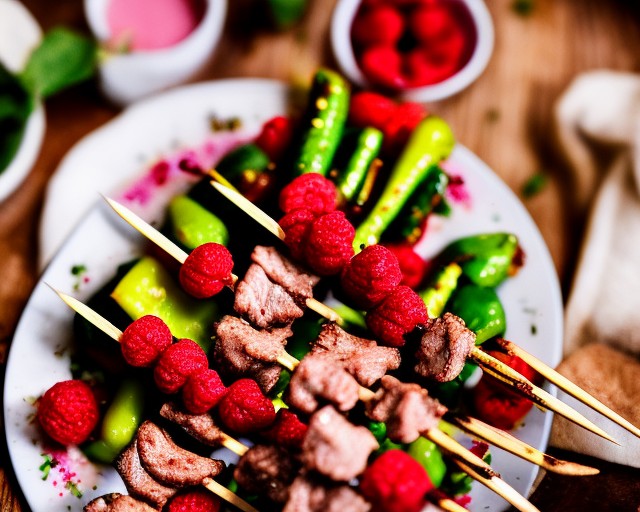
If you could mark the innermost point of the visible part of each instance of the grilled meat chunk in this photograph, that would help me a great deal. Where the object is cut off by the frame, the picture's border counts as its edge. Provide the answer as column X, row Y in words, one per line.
column 336, row 448
column 116, row 502
column 284, row 272
column 267, row 470
column 199, row 426
column 444, row 347
column 138, row 482
column 264, row 303
column 407, row 409
column 306, row 495
column 318, row 378
column 362, row 358
column 168, row 463
column 242, row 351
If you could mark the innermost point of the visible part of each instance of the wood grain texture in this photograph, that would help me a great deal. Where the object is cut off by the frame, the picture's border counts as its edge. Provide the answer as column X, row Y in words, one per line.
column 505, row 118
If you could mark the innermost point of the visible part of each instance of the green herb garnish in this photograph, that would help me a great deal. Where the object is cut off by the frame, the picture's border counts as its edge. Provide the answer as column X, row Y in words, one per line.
column 46, row 466
column 534, row 185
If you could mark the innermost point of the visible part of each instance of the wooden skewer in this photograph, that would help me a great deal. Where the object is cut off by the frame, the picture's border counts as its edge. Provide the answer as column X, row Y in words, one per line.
column 566, row 385
column 513, row 445
column 512, row 378
column 537, row 395
column 227, row 441
column 176, row 252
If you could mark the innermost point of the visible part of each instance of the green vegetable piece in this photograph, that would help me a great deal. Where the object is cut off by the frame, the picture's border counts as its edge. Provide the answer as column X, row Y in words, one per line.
column 481, row 310
column 245, row 158
column 378, row 429
column 430, row 457
column 485, row 259
column 305, row 330
column 449, row 393
column 431, row 142
column 15, row 107
column 100, row 451
column 286, row 13
column 367, row 147
column 352, row 317
column 62, row 59
column 193, row 225
column 534, row 185
column 327, row 110
column 445, row 282
column 148, row 289
column 124, row 415
column 279, row 403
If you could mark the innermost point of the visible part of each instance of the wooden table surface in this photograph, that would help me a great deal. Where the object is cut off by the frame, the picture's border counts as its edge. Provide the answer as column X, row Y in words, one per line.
column 505, row 118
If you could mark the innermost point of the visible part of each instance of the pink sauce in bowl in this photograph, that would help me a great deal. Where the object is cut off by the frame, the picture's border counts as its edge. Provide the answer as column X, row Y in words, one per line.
column 152, row 24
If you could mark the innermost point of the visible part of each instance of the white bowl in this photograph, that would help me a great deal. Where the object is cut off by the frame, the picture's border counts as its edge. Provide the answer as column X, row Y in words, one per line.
column 19, row 35
column 342, row 20
column 125, row 78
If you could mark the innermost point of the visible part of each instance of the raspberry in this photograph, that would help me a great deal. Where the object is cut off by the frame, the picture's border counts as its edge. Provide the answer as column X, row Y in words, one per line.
column 310, row 191
column 196, row 500
column 287, row 431
column 68, row 412
column 431, row 22
column 245, row 409
column 275, row 137
column 370, row 276
column 398, row 314
column 401, row 124
column 370, row 109
column 177, row 363
column 396, row 482
column 202, row 391
column 377, row 25
column 144, row 340
column 296, row 226
column 207, row 270
column 330, row 243
column 413, row 267
column 382, row 65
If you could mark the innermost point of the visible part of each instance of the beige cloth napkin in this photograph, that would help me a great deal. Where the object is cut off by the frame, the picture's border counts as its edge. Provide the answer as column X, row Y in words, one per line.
column 602, row 333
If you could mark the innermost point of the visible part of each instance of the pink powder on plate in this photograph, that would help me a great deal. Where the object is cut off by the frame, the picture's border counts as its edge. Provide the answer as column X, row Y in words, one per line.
column 153, row 24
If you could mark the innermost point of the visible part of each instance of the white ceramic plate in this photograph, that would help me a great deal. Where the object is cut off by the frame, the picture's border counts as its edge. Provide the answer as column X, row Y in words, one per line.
column 39, row 355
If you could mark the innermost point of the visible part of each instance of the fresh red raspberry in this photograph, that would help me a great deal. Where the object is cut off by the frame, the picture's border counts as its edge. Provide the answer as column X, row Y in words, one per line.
column 370, row 109
column 207, row 270
column 396, row 482
column 144, row 340
column 275, row 137
column 309, row 191
column 401, row 124
column 370, row 276
column 177, row 363
column 329, row 243
column 202, row 391
column 382, row 65
column 245, row 409
column 377, row 25
column 287, row 431
column 195, row 500
column 412, row 265
column 296, row 226
column 398, row 314
column 431, row 22
column 496, row 403
column 68, row 412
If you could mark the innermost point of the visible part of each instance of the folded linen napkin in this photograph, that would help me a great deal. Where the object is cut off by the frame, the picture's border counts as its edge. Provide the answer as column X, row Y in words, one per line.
column 602, row 333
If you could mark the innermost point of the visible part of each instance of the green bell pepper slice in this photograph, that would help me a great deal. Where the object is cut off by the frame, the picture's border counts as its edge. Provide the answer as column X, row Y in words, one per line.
column 481, row 310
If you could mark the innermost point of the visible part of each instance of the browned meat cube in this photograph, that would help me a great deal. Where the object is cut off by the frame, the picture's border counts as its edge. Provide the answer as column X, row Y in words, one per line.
column 199, row 426
column 407, row 409
column 308, row 496
column 138, row 482
column 116, row 502
column 318, row 378
column 264, row 303
column 171, row 465
column 242, row 351
column 267, row 470
column 444, row 347
column 362, row 358
column 336, row 448
column 284, row 272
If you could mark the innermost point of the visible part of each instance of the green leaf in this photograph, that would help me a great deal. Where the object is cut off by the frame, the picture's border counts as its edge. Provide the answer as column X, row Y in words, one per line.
column 62, row 59
column 15, row 106
column 534, row 185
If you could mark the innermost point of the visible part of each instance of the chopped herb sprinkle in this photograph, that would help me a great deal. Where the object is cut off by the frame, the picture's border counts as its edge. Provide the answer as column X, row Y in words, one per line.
column 46, row 466
column 534, row 185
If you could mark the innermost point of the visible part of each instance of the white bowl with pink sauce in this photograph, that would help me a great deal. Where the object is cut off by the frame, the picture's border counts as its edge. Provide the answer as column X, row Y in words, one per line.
column 151, row 45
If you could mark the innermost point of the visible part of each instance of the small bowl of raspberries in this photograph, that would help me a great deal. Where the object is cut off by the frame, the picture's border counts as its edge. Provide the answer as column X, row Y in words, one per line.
column 419, row 50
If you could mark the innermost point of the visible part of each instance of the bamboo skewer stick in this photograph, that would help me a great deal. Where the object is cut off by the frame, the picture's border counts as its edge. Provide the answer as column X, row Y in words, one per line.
column 512, row 378
column 227, row 441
